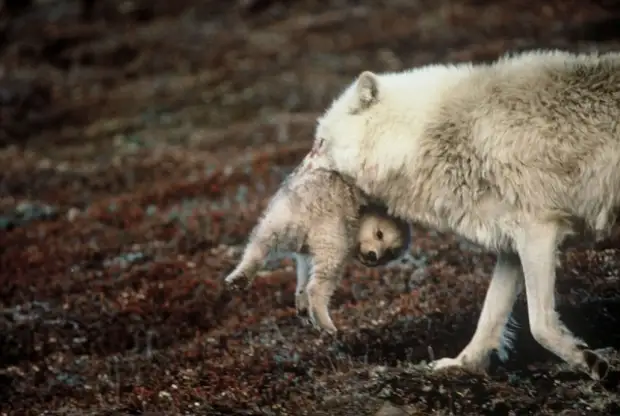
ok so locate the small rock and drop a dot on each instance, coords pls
(6, 223)
(164, 394)
(44, 164)
(72, 214)
(569, 412)
(388, 409)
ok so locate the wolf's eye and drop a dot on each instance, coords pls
(380, 234)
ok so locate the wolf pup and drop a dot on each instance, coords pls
(324, 221)
(515, 155)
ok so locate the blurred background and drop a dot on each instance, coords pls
(139, 141)
(95, 67)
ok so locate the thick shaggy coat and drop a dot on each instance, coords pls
(514, 155)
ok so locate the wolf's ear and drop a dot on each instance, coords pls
(366, 90)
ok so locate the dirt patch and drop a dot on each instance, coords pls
(140, 140)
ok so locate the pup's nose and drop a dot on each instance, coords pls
(371, 256)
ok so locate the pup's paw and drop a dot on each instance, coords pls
(301, 306)
(319, 293)
(320, 321)
(237, 281)
(301, 303)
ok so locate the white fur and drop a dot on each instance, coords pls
(515, 156)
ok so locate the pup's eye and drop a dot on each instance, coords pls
(380, 234)
(321, 143)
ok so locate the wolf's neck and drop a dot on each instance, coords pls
(441, 199)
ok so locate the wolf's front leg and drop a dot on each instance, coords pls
(303, 264)
(537, 248)
(491, 333)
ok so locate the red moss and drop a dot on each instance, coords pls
(141, 137)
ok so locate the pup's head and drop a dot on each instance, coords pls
(381, 238)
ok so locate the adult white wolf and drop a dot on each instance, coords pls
(514, 155)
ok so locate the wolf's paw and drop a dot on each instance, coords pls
(478, 366)
(444, 363)
(595, 365)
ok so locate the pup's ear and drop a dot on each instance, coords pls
(366, 91)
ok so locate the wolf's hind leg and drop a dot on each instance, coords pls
(491, 332)
(537, 248)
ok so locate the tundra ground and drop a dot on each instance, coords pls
(137, 150)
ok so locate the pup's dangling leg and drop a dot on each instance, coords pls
(329, 245)
(303, 263)
(261, 242)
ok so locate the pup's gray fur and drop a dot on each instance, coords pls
(323, 220)
(515, 155)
